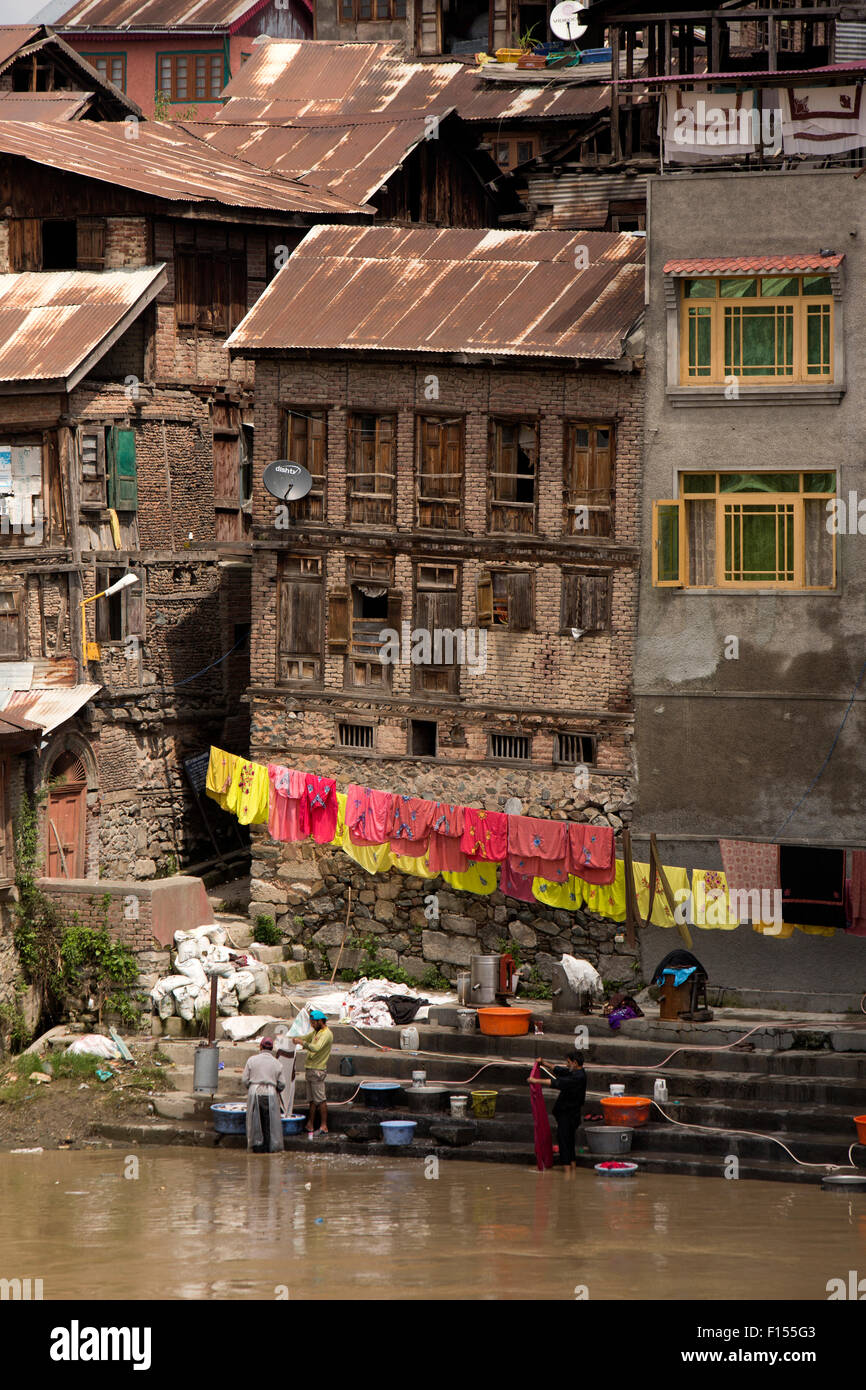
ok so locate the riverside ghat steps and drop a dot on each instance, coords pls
(799, 1080)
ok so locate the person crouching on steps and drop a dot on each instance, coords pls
(263, 1078)
(317, 1046)
(570, 1082)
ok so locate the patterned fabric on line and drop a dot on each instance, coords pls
(248, 794)
(479, 877)
(220, 767)
(411, 823)
(288, 815)
(515, 885)
(368, 814)
(322, 804)
(591, 852)
(538, 847)
(485, 834)
(568, 895)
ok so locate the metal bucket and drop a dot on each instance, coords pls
(484, 971)
(604, 1139)
(464, 987)
(466, 1020)
(206, 1068)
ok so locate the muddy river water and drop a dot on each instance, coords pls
(186, 1224)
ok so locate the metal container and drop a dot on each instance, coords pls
(206, 1068)
(604, 1139)
(484, 971)
(419, 1078)
(464, 987)
(466, 1020)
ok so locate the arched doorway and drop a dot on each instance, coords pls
(67, 801)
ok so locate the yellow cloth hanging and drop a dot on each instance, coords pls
(480, 877)
(417, 866)
(248, 793)
(376, 859)
(781, 932)
(815, 931)
(568, 895)
(678, 880)
(711, 906)
(341, 820)
(220, 768)
(607, 899)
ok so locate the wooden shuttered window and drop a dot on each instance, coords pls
(512, 473)
(91, 243)
(299, 622)
(122, 470)
(371, 473)
(504, 599)
(588, 481)
(210, 289)
(121, 615)
(91, 455)
(373, 608)
(231, 471)
(25, 243)
(586, 600)
(439, 472)
(305, 442)
(437, 611)
(13, 639)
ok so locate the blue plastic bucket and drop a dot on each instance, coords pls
(381, 1095)
(230, 1117)
(398, 1131)
(292, 1124)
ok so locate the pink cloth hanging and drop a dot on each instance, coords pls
(591, 853)
(322, 803)
(485, 835)
(411, 823)
(857, 894)
(444, 851)
(541, 1124)
(538, 847)
(515, 885)
(288, 812)
(368, 815)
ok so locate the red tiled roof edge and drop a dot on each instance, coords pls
(737, 265)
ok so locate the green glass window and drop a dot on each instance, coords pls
(819, 482)
(700, 341)
(740, 288)
(759, 482)
(699, 289)
(817, 284)
(818, 339)
(759, 340)
(668, 547)
(699, 482)
(759, 542)
(775, 285)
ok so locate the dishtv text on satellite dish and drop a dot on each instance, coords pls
(287, 481)
(565, 20)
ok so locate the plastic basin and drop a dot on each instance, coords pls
(484, 1104)
(381, 1095)
(230, 1117)
(625, 1111)
(860, 1122)
(293, 1124)
(504, 1023)
(398, 1131)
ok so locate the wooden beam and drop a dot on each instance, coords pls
(615, 43)
(771, 47)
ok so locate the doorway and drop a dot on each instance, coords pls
(65, 818)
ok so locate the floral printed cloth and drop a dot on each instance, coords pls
(288, 815)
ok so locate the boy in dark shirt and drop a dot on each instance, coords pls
(570, 1082)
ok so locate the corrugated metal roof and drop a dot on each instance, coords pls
(750, 265)
(43, 106)
(155, 14)
(54, 324)
(574, 200)
(164, 161)
(91, 80)
(287, 78)
(353, 160)
(15, 36)
(422, 290)
(48, 709)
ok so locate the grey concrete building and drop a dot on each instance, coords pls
(751, 632)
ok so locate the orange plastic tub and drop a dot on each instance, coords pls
(503, 1023)
(625, 1110)
(860, 1122)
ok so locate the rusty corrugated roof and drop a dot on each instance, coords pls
(54, 325)
(47, 709)
(48, 39)
(351, 159)
(164, 161)
(155, 14)
(570, 200)
(15, 36)
(43, 106)
(287, 78)
(750, 265)
(424, 290)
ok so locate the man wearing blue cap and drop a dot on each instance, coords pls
(317, 1046)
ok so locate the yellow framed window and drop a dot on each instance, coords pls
(759, 328)
(747, 531)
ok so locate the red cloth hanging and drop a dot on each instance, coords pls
(543, 1141)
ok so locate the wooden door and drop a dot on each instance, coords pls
(65, 815)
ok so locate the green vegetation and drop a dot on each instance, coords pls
(168, 867)
(535, 987)
(374, 966)
(434, 980)
(266, 932)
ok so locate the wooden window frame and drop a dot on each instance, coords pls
(560, 761)
(210, 288)
(362, 650)
(719, 373)
(356, 724)
(511, 142)
(509, 506)
(573, 497)
(316, 500)
(452, 504)
(507, 733)
(722, 500)
(356, 17)
(447, 579)
(301, 572)
(132, 600)
(361, 501)
(19, 595)
(588, 574)
(486, 607)
(192, 99)
(95, 58)
(99, 482)
(40, 506)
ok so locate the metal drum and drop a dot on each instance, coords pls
(206, 1068)
(464, 987)
(484, 972)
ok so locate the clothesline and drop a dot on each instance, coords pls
(565, 865)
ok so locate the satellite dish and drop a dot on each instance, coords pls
(286, 480)
(565, 20)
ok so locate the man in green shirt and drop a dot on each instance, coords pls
(317, 1046)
